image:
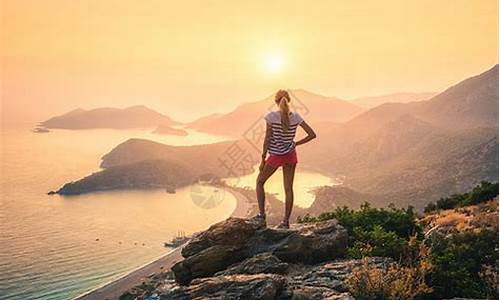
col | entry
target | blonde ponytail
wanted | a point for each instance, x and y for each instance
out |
(285, 113)
(281, 99)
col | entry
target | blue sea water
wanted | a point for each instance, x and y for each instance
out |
(56, 247)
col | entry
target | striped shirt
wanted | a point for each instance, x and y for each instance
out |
(281, 142)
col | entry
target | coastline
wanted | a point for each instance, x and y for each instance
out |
(115, 288)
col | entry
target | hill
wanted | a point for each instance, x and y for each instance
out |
(140, 175)
(371, 102)
(470, 103)
(394, 153)
(169, 130)
(342, 253)
(313, 107)
(131, 117)
(412, 152)
(208, 158)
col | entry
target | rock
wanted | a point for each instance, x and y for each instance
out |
(316, 293)
(206, 262)
(235, 239)
(314, 243)
(325, 281)
(463, 299)
(297, 282)
(340, 269)
(258, 286)
(233, 231)
(260, 263)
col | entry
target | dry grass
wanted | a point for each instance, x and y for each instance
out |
(460, 221)
(393, 282)
(474, 217)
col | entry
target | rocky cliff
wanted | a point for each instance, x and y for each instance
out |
(242, 259)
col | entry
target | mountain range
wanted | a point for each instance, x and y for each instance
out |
(409, 153)
(405, 153)
(373, 101)
(315, 108)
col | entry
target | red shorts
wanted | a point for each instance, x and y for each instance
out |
(280, 160)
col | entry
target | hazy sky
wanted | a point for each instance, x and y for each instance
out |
(191, 58)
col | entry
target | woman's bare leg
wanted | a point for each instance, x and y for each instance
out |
(288, 175)
(266, 172)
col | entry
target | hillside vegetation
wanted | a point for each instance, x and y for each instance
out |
(447, 253)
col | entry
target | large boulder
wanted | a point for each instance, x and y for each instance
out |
(257, 286)
(260, 263)
(235, 239)
(231, 232)
(206, 262)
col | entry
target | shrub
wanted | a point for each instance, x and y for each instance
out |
(394, 282)
(384, 232)
(376, 242)
(489, 275)
(457, 262)
(480, 193)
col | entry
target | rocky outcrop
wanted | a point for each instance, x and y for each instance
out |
(258, 286)
(242, 259)
(260, 263)
(264, 276)
(234, 240)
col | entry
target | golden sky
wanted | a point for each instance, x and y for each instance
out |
(191, 58)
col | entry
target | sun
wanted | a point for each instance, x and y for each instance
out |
(274, 62)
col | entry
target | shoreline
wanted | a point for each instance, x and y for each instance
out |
(116, 287)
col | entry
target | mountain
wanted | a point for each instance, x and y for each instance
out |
(210, 158)
(371, 102)
(470, 103)
(314, 108)
(131, 117)
(169, 130)
(404, 153)
(415, 152)
(140, 175)
(143, 164)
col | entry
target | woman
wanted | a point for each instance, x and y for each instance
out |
(280, 145)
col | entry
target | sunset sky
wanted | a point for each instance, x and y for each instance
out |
(191, 58)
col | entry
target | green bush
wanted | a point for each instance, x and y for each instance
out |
(374, 231)
(377, 242)
(480, 193)
(457, 262)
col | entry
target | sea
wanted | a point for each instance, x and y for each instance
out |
(58, 247)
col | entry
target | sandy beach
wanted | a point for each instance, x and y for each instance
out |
(114, 289)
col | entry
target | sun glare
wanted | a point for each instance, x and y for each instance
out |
(274, 62)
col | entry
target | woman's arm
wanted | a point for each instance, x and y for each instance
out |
(311, 135)
(265, 145)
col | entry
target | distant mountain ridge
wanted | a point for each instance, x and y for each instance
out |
(410, 153)
(373, 101)
(471, 103)
(405, 153)
(314, 107)
(131, 117)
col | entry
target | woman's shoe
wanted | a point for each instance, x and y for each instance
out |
(283, 225)
(259, 219)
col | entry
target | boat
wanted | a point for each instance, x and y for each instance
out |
(177, 240)
(41, 130)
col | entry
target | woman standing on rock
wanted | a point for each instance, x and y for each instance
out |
(279, 143)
